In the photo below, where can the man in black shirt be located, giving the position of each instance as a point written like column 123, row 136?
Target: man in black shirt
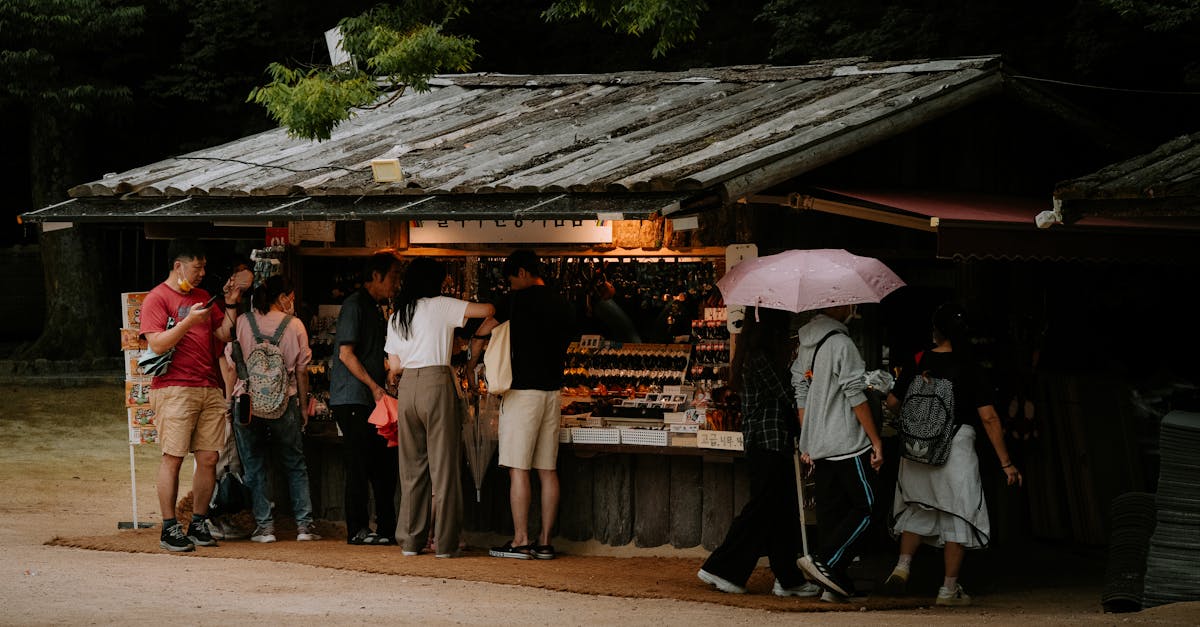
column 357, row 378
column 541, row 325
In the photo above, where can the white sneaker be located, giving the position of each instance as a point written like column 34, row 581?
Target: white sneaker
column 953, row 598
column 829, row 596
column 806, row 589
column 305, row 533
column 896, row 581
column 263, row 534
column 722, row 584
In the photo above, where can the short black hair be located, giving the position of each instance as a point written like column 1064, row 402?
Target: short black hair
column 379, row 262
column 523, row 259
column 185, row 249
column 950, row 320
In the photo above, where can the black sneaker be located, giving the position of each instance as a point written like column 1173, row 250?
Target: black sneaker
column 173, row 539
column 198, row 533
column 822, row 574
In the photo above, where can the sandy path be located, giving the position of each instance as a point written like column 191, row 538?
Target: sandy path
column 64, row 471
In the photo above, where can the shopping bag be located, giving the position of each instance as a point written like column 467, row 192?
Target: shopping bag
column 497, row 360
column 230, row 495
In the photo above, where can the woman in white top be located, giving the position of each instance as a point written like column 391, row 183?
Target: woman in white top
column 418, row 346
column 274, row 305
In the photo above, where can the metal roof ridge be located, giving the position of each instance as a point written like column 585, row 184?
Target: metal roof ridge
column 844, row 66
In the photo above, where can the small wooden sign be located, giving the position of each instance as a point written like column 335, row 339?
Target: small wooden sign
column 724, row 440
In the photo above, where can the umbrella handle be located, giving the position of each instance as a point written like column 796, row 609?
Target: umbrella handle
column 800, row 500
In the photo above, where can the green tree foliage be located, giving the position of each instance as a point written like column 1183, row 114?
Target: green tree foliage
column 311, row 103
column 62, row 66
column 52, row 55
column 403, row 46
column 672, row 21
column 1161, row 16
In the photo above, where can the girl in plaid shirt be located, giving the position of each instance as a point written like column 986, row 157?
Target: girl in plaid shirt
column 768, row 524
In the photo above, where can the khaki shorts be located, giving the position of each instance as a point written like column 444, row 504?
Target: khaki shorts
column 189, row 419
column 529, row 429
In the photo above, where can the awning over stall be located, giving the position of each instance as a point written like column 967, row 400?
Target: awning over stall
column 1002, row 227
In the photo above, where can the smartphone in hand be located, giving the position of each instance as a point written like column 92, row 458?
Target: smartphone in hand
column 208, row 303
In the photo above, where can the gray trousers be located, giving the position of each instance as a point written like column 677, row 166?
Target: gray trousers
column 430, row 436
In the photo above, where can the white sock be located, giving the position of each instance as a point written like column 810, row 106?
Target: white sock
column 904, row 562
column 950, row 583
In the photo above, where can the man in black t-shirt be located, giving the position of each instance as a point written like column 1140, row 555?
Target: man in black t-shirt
column 357, row 377
column 541, row 325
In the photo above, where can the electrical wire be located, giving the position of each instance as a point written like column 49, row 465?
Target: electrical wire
column 267, row 165
column 1101, row 87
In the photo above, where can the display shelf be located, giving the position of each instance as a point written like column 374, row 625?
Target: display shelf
column 589, row 450
column 616, row 366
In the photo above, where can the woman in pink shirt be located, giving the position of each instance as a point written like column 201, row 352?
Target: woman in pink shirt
column 272, row 320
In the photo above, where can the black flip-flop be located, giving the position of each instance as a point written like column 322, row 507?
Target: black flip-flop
column 544, row 552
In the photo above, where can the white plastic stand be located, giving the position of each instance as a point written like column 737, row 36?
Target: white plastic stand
column 133, row 524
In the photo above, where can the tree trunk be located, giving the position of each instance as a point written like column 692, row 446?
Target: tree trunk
column 82, row 317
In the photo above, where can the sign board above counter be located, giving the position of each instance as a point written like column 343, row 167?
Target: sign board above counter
column 516, row 231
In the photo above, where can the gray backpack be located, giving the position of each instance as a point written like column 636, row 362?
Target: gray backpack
column 926, row 424
column 266, row 372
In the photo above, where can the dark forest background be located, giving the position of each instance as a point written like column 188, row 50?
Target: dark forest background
column 89, row 87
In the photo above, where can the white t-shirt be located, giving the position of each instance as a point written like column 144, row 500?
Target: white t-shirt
column 431, row 333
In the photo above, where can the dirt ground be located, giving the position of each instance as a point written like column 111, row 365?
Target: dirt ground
column 64, row 471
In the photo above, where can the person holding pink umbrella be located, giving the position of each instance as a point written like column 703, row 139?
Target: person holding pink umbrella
column 838, row 436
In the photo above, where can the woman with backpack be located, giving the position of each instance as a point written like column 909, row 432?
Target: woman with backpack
column 419, row 339
column 273, row 367
column 942, row 505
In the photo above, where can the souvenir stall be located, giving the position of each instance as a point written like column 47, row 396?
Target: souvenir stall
column 647, row 416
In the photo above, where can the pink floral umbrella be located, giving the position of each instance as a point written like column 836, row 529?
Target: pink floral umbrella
column 804, row 280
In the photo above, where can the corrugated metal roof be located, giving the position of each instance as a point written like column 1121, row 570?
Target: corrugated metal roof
column 729, row 130
column 1163, row 182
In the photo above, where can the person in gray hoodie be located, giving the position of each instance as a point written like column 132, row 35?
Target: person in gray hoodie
column 838, row 436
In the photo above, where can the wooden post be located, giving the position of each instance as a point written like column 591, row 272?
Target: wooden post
column 718, row 503
column 652, row 500
column 612, row 512
column 686, row 502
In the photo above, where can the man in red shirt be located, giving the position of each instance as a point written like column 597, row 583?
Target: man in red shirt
column 187, row 398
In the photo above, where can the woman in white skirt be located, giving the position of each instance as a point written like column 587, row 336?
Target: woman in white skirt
column 943, row 506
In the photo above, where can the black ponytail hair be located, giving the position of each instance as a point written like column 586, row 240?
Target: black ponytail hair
column 269, row 291
column 422, row 279
column 766, row 331
column 950, row 322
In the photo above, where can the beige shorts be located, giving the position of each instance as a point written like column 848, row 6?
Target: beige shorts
column 189, row 419
column 529, row 429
